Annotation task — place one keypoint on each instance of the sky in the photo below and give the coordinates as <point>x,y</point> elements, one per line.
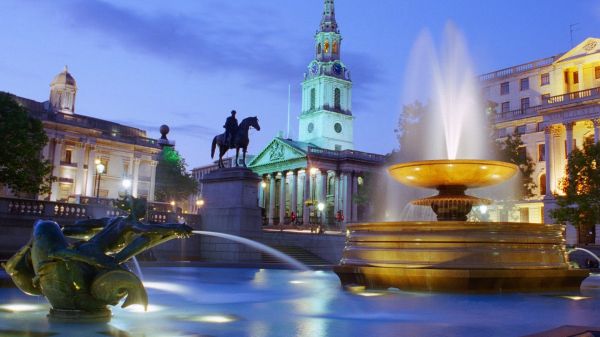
<point>187,63</point>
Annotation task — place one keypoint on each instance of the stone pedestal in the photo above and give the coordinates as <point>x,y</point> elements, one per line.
<point>230,206</point>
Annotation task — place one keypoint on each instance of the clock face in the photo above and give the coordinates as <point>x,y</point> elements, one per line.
<point>337,127</point>
<point>311,127</point>
<point>314,68</point>
<point>337,68</point>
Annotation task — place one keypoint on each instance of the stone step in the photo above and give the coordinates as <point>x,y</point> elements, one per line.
<point>298,253</point>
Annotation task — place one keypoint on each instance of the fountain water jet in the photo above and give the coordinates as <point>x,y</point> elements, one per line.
<point>257,245</point>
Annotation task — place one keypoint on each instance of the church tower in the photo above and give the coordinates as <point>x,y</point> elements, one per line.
<point>326,119</point>
<point>62,93</point>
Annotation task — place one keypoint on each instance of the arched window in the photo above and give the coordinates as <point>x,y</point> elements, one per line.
<point>313,98</point>
<point>337,98</point>
<point>331,185</point>
<point>542,184</point>
<point>319,49</point>
<point>335,47</point>
<point>326,50</point>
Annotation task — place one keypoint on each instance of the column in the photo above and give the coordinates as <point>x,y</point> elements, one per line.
<point>294,192</point>
<point>323,195</point>
<point>305,198</point>
<point>336,191</point>
<point>134,180</point>
<point>79,177</point>
<point>261,192</point>
<point>581,85</point>
<point>56,168</point>
<point>152,180</point>
<point>596,130</point>
<point>547,154</point>
<point>282,199</point>
<point>347,187</point>
<point>91,167</point>
<point>354,191</point>
<point>271,198</point>
<point>569,139</point>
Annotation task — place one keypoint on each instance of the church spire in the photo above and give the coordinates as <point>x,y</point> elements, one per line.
<point>328,23</point>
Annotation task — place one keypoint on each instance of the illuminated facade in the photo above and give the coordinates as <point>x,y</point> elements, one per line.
<point>321,167</point>
<point>78,143</point>
<point>554,104</point>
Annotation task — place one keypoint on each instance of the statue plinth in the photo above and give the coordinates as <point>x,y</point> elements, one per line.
<point>230,206</point>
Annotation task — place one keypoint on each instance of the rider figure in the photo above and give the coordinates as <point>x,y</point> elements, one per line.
<point>231,125</point>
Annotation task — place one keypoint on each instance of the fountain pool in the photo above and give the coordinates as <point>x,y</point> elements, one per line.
<point>190,301</point>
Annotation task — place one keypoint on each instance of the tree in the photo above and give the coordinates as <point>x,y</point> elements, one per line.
<point>512,150</point>
<point>580,205</point>
<point>22,167</point>
<point>410,117</point>
<point>173,182</point>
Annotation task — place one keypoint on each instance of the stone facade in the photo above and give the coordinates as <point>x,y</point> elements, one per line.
<point>77,143</point>
<point>553,104</point>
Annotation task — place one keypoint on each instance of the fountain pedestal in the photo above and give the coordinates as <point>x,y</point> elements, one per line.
<point>452,254</point>
<point>230,206</point>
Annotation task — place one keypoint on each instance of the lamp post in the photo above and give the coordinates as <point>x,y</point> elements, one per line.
<point>126,183</point>
<point>320,207</point>
<point>199,204</point>
<point>99,170</point>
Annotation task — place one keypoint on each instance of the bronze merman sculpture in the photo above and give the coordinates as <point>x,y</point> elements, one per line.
<point>81,278</point>
<point>238,140</point>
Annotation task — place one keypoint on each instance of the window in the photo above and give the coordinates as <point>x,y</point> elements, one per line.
<point>501,133</point>
<point>545,98</point>
<point>522,153</point>
<point>566,77</point>
<point>336,98</point>
<point>524,84</point>
<point>545,79</point>
<point>597,71</point>
<point>542,185</point>
<point>524,214</point>
<point>68,156</point>
<point>521,129</point>
<point>335,47</point>
<point>319,48</point>
<point>524,104</point>
<point>505,106</point>
<point>575,77</point>
<point>504,88</point>
<point>326,49</point>
<point>313,98</point>
<point>541,152</point>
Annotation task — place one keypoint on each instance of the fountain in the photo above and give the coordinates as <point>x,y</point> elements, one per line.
<point>81,278</point>
<point>452,254</point>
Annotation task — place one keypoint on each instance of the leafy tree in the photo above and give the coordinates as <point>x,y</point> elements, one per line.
<point>22,167</point>
<point>410,117</point>
<point>512,150</point>
<point>173,182</point>
<point>581,203</point>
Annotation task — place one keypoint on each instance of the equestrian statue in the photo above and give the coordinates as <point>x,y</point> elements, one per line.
<point>235,137</point>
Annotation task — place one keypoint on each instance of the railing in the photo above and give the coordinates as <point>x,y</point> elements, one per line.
<point>571,97</point>
<point>517,114</point>
<point>346,154</point>
<point>518,69</point>
<point>40,208</point>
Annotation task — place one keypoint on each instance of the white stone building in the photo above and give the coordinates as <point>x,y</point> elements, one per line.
<point>78,143</point>
<point>554,104</point>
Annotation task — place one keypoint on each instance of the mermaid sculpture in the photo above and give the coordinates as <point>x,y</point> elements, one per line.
<point>82,277</point>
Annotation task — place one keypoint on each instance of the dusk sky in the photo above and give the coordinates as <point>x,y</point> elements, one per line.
<point>188,63</point>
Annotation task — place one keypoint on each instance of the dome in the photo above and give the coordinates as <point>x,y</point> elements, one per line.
<point>63,78</point>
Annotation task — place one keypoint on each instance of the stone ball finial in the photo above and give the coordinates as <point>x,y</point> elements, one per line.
<point>164,130</point>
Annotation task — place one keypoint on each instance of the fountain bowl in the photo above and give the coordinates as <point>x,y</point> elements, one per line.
<point>470,173</point>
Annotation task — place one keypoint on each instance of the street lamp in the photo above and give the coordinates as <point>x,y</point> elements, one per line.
<point>263,184</point>
<point>320,207</point>
<point>126,183</point>
<point>99,170</point>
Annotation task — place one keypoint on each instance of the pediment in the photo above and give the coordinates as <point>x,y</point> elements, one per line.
<point>277,151</point>
<point>588,46</point>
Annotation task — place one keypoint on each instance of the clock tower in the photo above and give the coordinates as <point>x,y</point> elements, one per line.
<point>326,119</point>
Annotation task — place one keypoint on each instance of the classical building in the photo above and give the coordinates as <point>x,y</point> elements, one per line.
<point>553,103</point>
<point>91,157</point>
<point>321,167</point>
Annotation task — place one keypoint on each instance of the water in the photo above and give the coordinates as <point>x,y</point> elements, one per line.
<point>136,268</point>
<point>240,302</point>
<point>587,251</point>
<point>259,246</point>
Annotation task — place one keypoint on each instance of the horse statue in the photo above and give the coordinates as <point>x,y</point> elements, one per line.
<point>240,140</point>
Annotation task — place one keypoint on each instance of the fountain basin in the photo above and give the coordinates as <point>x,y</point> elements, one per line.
<point>458,256</point>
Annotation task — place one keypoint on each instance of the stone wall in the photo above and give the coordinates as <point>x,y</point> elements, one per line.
<point>327,246</point>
